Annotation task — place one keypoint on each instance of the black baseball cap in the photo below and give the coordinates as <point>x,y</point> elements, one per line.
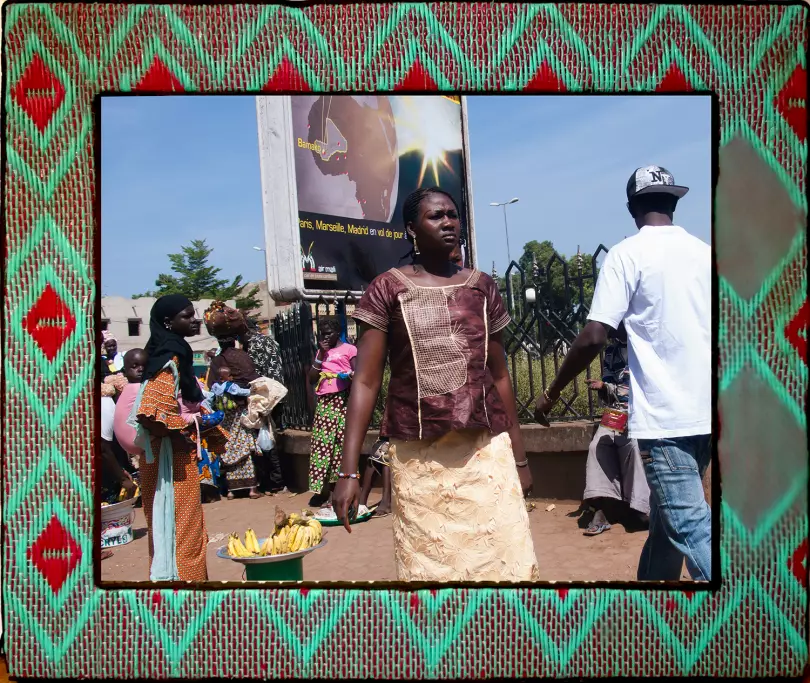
<point>653,179</point>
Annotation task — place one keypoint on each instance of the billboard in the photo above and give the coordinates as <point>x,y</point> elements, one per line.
<point>354,160</point>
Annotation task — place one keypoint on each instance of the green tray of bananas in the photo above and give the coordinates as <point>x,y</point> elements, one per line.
<point>294,536</point>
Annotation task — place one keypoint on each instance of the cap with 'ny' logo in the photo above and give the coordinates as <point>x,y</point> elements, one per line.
<point>650,179</point>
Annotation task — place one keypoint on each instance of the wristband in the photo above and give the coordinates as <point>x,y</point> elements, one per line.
<point>343,475</point>
<point>522,463</point>
<point>548,398</point>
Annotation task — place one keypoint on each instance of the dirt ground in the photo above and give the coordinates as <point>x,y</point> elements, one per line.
<point>563,553</point>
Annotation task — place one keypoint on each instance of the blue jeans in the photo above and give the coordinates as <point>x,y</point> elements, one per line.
<point>680,517</point>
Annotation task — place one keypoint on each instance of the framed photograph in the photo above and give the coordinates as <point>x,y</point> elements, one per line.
<point>65,615</point>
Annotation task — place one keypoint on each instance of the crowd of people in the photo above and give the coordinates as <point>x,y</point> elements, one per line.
<point>451,456</point>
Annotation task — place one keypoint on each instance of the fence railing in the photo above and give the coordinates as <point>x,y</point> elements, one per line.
<point>545,321</point>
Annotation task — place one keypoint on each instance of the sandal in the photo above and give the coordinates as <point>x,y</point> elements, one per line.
<point>106,554</point>
<point>255,496</point>
<point>230,495</point>
<point>598,525</point>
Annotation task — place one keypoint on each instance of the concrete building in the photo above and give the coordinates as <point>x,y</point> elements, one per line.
<point>128,320</point>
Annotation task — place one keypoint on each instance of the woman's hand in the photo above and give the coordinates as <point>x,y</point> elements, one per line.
<point>344,498</point>
<point>595,384</point>
<point>526,482</point>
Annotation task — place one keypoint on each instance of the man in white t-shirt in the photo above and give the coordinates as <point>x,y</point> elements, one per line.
<point>669,338</point>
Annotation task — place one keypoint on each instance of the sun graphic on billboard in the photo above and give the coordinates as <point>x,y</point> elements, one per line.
<point>423,126</point>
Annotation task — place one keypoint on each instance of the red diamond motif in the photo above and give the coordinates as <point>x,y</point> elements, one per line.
<point>39,93</point>
<point>545,80</point>
<point>798,563</point>
<point>796,332</point>
<point>286,77</point>
<point>49,322</point>
<point>159,78</point>
<point>417,78</point>
<point>55,554</point>
<point>674,81</point>
<point>792,102</point>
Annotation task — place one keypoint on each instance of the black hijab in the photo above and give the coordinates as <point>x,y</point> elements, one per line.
<point>164,345</point>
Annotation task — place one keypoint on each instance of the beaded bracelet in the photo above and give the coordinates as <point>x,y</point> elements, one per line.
<point>342,475</point>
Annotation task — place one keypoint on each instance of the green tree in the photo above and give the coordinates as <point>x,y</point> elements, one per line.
<point>195,278</point>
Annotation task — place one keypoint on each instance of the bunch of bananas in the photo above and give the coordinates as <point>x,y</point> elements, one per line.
<point>291,534</point>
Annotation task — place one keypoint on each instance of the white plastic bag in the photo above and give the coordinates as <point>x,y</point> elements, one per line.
<point>265,440</point>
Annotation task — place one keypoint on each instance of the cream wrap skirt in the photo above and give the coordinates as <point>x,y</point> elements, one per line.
<point>458,510</point>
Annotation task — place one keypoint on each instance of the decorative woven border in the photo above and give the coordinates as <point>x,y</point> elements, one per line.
<point>59,623</point>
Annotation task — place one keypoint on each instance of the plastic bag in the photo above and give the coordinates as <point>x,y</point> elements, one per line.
<point>265,440</point>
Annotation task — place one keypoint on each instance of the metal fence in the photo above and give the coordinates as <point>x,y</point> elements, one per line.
<point>545,321</point>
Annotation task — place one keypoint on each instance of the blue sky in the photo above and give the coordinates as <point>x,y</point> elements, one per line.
<point>175,169</point>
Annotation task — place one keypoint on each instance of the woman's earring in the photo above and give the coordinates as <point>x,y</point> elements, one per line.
<point>168,326</point>
<point>415,247</point>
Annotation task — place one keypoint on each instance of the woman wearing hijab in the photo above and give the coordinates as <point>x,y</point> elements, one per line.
<point>169,476</point>
<point>238,459</point>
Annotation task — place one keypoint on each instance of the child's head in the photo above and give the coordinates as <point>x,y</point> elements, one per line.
<point>329,330</point>
<point>134,363</point>
<point>225,374</point>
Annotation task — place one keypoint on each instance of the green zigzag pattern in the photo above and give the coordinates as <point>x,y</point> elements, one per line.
<point>755,561</point>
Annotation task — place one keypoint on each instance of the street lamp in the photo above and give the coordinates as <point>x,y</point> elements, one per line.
<point>505,225</point>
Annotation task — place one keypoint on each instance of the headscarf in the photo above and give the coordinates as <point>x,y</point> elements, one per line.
<point>164,345</point>
<point>106,336</point>
<point>223,322</point>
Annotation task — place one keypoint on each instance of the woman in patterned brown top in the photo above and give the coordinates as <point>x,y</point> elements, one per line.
<point>458,465</point>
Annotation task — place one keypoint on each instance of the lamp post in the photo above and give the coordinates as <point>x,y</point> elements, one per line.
<point>505,224</point>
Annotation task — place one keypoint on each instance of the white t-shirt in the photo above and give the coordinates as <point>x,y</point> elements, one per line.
<point>669,338</point>
<point>107,418</point>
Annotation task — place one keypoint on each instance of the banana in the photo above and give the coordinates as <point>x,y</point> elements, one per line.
<point>267,547</point>
<point>294,518</point>
<point>251,542</point>
<point>241,550</point>
<point>306,542</point>
<point>300,538</point>
<point>315,525</point>
<point>231,549</point>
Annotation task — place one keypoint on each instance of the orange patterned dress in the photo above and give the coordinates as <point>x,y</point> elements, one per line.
<point>160,403</point>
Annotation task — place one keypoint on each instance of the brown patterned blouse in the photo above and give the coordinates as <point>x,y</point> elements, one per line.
<point>438,339</point>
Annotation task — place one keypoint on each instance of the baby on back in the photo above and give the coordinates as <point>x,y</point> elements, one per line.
<point>225,390</point>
